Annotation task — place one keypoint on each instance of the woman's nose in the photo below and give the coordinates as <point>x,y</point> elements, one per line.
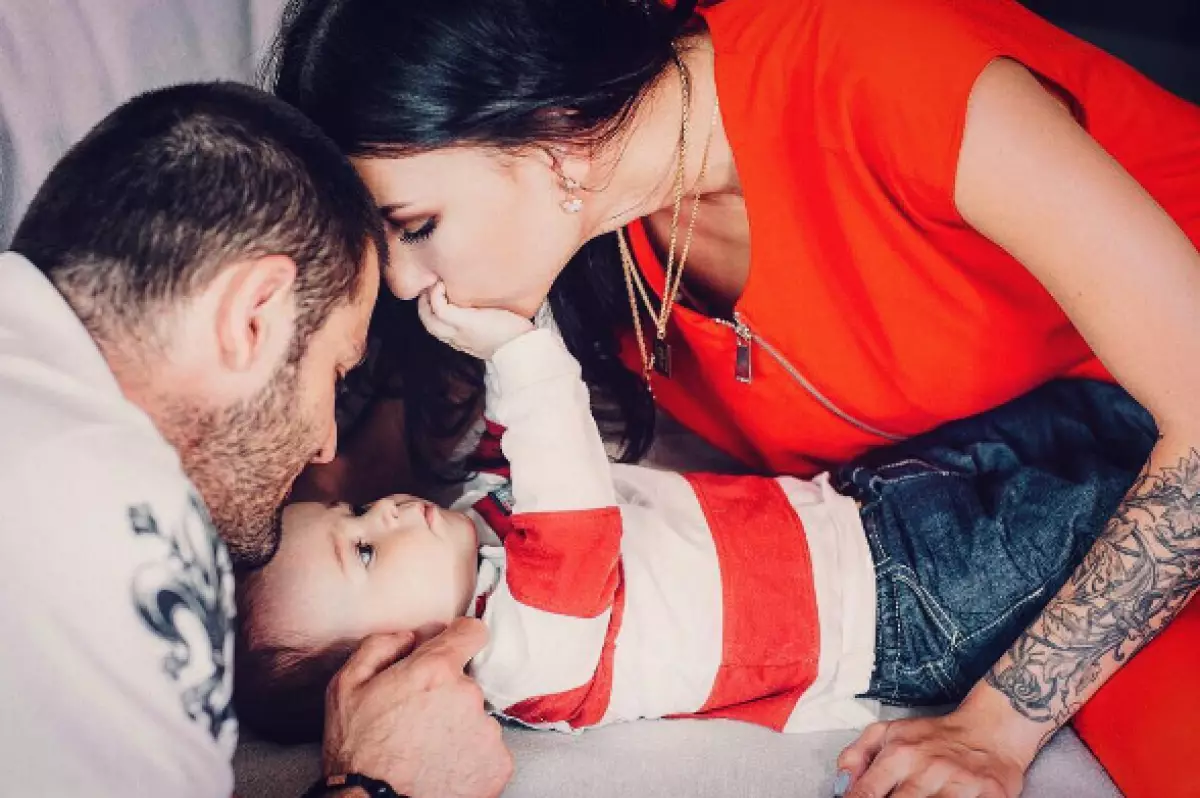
<point>408,279</point>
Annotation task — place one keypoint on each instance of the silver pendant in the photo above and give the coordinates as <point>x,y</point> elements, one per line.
<point>662,357</point>
<point>742,363</point>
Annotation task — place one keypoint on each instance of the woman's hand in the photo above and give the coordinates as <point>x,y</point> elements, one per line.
<point>978,751</point>
<point>479,332</point>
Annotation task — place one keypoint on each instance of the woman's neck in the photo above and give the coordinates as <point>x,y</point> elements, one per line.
<point>636,174</point>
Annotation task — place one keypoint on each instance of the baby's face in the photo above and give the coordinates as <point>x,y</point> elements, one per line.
<point>399,564</point>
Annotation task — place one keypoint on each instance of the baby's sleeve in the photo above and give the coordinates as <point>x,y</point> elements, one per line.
<point>554,614</point>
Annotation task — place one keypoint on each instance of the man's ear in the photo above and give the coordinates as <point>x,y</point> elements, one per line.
<point>256,315</point>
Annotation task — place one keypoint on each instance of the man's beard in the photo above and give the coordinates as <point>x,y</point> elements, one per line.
<point>243,461</point>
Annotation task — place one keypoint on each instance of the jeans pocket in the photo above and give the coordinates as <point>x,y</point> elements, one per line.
<point>916,662</point>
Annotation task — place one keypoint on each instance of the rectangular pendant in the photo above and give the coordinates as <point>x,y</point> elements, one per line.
<point>662,357</point>
<point>742,368</point>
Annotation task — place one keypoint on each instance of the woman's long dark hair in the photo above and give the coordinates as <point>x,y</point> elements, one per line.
<point>408,76</point>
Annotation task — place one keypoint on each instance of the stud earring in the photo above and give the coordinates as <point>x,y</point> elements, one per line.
<point>573,203</point>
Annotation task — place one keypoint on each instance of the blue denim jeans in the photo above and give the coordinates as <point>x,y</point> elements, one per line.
<point>975,526</point>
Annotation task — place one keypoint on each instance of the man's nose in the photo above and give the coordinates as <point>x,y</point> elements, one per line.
<point>328,449</point>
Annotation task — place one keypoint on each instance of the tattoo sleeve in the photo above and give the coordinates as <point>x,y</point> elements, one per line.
<point>1137,577</point>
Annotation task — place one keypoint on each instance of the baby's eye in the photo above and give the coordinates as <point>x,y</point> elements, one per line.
<point>365,552</point>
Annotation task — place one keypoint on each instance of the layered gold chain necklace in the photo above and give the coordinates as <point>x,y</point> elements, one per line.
<point>657,357</point>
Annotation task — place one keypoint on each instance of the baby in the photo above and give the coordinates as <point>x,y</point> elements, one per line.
<point>617,592</point>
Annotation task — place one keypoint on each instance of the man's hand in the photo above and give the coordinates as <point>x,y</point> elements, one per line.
<point>981,750</point>
<point>417,723</point>
<point>479,332</point>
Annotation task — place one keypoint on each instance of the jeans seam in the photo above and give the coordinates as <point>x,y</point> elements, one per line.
<point>930,468</point>
<point>873,536</point>
<point>934,669</point>
<point>1016,607</point>
<point>883,567</point>
<point>897,631</point>
<point>938,614</point>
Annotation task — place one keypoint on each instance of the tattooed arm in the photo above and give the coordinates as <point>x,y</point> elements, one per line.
<point>1129,278</point>
<point>1135,580</point>
<point>1034,182</point>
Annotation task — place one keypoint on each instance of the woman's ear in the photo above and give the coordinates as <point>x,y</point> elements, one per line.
<point>570,164</point>
<point>570,172</point>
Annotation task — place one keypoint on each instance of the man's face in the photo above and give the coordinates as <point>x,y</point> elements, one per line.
<point>247,455</point>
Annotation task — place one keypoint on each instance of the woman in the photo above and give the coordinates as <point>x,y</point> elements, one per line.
<point>868,218</point>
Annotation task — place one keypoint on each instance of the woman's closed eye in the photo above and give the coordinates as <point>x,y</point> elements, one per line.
<point>365,553</point>
<point>414,232</point>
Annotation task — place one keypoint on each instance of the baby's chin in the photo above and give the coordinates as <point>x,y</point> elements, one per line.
<point>466,544</point>
<point>463,534</point>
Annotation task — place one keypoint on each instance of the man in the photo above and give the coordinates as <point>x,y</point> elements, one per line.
<point>183,295</point>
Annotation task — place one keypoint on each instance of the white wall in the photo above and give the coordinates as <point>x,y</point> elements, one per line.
<point>64,64</point>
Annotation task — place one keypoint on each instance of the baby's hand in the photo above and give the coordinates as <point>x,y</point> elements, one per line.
<point>479,332</point>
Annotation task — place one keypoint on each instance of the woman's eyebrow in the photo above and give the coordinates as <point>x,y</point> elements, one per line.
<point>394,206</point>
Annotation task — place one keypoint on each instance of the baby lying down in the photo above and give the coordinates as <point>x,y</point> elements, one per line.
<point>615,592</point>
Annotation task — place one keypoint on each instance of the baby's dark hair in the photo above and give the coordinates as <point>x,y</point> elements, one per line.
<point>279,686</point>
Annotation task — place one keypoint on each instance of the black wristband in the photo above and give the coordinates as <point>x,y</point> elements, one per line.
<point>375,788</point>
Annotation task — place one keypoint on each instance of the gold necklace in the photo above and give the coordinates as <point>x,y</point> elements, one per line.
<point>659,357</point>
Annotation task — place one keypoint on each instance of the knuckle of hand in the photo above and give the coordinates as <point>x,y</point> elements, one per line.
<point>939,763</point>
<point>863,791</point>
<point>508,765</point>
<point>471,691</point>
<point>336,690</point>
<point>424,670</point>
<point>993,786</point>
<point>896,755</point>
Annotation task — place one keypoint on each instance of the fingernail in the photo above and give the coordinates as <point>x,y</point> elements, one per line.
<point>841,783</point>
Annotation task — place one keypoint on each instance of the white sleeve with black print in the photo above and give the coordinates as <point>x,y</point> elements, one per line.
<point>116,610</point>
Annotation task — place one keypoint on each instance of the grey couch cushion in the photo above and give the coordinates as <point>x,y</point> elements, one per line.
<point>672,759</point>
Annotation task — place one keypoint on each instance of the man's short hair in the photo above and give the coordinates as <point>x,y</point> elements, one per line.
<point>177,183</point>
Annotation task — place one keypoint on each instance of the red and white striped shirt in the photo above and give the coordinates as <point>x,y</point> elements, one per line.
<point>616,592</point>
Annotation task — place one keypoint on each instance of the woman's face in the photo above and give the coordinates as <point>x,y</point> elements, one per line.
<point>489,225</point>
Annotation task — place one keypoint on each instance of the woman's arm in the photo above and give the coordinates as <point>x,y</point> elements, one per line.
<point>1034,182</point>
